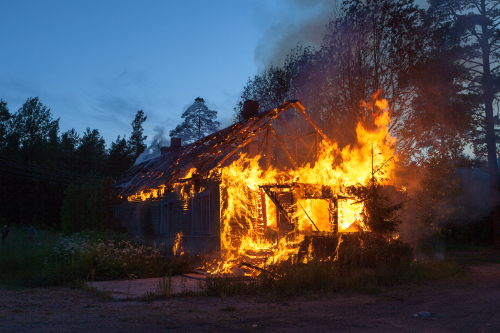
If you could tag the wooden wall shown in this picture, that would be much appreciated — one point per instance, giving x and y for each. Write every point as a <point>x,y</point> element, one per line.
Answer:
<point>143,219</point>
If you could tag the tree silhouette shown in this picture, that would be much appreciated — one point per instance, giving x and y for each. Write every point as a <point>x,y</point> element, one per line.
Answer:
<point>198,122</point>
<point>119,158</point>
<point>136,143</point>
<point>91,153</point>
<point>476,25</point>
<point>4,124</point>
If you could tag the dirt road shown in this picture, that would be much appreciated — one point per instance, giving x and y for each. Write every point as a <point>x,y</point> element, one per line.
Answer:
<point>466,304</point>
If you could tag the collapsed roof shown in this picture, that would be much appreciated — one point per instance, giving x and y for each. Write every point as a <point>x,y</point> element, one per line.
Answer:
<point>205,154</point>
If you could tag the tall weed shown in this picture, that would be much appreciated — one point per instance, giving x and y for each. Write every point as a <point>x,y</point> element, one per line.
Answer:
<point>55,259</point>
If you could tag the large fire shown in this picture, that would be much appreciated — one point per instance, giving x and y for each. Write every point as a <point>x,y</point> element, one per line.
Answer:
<point>250,233</point>
<point>266,212</point>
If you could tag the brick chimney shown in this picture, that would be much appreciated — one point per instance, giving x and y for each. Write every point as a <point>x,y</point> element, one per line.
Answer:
<point>174,144</point>
<point>250,108</point>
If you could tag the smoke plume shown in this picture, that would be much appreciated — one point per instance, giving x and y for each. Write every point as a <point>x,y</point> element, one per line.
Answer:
<point>153,150</point>
<point>301,22</point>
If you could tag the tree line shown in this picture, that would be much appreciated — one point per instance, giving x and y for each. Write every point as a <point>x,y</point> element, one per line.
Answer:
<point>37,163</point>
<point>64,181</point>
<point>438,68</point>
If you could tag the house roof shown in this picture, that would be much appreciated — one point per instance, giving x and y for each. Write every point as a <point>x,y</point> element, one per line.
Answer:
<point>205,154</point>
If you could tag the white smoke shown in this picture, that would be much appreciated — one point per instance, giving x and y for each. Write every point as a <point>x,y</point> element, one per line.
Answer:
<point>300,22</point>
<point>153,150</point>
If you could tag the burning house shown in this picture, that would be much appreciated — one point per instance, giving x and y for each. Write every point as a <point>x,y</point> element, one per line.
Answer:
<point>269,180</point>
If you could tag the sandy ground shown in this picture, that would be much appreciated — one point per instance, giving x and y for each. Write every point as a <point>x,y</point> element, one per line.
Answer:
<point>135,289</point>
<point>466,304</point>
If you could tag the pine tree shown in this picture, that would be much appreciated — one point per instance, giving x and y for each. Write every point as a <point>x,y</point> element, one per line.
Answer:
<point>136,142</point>
<point>119,158</point>
<point>198,122</point>
<point>380,215</point>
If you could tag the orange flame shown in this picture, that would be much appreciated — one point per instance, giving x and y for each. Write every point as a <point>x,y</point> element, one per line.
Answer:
<point>177,249</point>
<point>241,180</point>
<point>251,233</point>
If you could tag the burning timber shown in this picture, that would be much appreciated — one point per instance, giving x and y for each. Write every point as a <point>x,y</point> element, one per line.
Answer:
<point>258,191</point>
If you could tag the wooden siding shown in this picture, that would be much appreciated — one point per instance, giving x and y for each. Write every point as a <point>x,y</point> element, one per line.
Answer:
<point>143,219</point>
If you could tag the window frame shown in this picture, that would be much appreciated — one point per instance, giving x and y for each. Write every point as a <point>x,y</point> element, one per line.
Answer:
<point>205,227</point>
<point>167,217</point>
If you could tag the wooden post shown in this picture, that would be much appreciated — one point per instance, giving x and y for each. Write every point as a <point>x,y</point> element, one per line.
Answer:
<point>268,149</point>
<point>334,215</point>
<point>283,147</point>
<point>264,208</point>
<point>316,141</point>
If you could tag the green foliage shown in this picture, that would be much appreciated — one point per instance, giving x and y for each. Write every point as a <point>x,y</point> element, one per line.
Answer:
<point>473,31</point>
<point>440,195</point>
<point>22,261</point>
<point>271,88</point>
<point>476,26</point>
<point>53,259</point>
<point>368,46</point>
<point>89,206</point>
<point>380,215</point>
<point>68,144</point>
<point>198,122</point>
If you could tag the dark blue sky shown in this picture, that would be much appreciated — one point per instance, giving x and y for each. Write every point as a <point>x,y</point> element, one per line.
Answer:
<point>95,63</point>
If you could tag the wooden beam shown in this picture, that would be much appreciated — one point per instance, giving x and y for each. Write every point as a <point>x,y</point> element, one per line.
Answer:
<point>293,132</point>
<point>268,148</point>
<point>274,198</point>
<point>301,110</point>
<point>262,142</point>
<point>302,137</point>
<point>316,139</point>
<point>296,152</point>
<point>310,219</point>
<point>283,147</point>
<point>234,151</point>
<point>310,150</point>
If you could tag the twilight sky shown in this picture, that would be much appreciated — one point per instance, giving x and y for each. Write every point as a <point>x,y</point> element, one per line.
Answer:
<point>95,63</point>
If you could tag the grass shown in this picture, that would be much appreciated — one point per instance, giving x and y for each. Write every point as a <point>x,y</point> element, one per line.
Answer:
<point>54,259</point>
<point>364,263</point>
<point>22,260</point>
<point>164,290</point>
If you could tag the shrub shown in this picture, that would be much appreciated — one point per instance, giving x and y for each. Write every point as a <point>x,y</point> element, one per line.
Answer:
<point>54,259</point>
<point>363,262</point>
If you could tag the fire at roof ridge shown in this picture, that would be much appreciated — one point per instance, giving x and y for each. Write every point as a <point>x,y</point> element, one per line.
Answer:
<point>205,154</point>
